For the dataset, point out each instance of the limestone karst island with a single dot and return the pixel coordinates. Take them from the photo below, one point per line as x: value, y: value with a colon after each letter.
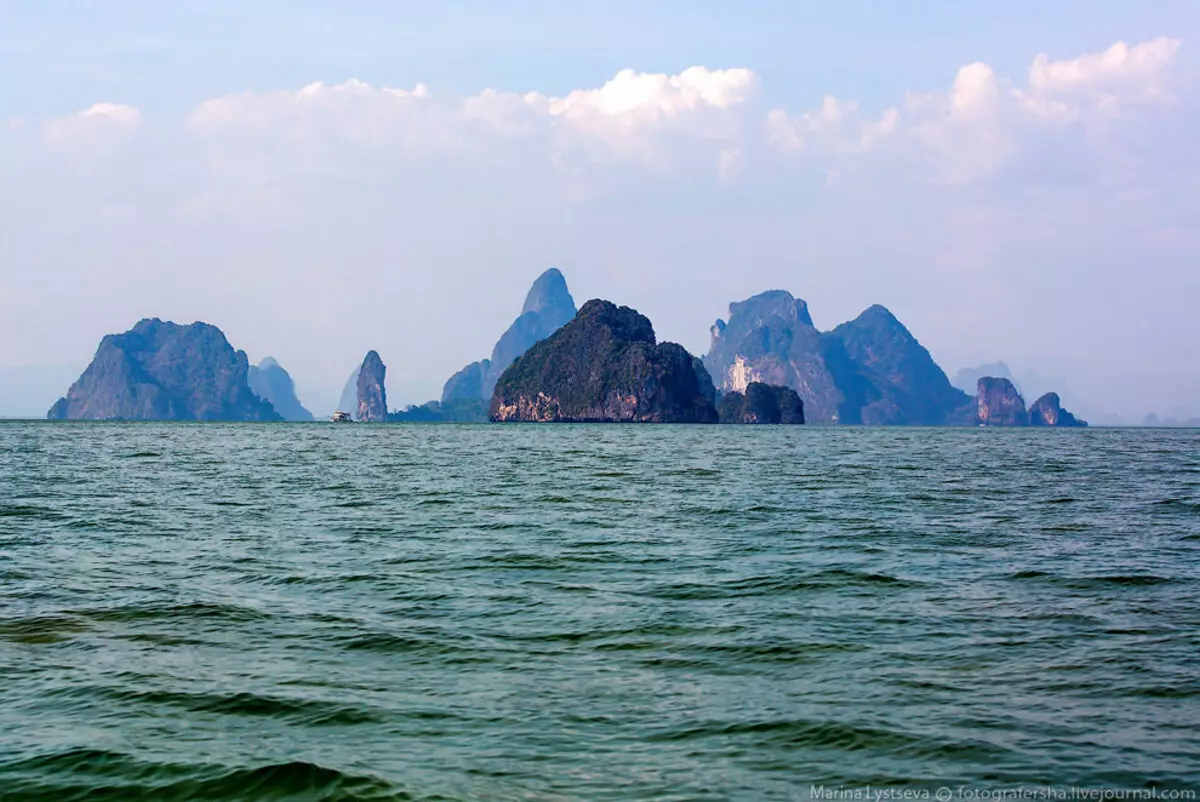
x: 767, y: 364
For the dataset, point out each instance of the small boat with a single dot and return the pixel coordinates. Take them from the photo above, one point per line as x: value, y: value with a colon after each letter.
x: 342, y: 417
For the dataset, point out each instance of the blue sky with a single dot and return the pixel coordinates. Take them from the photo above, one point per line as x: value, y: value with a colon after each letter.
x: 59, y: 55
x: 167, y: 159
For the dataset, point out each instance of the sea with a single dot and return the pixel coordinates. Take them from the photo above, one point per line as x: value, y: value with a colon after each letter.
x: 596, y: 612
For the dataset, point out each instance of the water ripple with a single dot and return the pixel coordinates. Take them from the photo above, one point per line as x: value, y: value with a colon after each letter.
x: 592, y: 612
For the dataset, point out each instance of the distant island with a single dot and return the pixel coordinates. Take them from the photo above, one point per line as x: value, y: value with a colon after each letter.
x: 164, y: 371
x: 768, y: 364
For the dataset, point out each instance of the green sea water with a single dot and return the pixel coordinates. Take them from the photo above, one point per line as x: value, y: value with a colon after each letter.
x: 273, y: 611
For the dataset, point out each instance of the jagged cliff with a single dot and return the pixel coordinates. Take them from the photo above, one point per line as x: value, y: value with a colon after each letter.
x: 160, y: 370
x: 548, y: 307
x: 603, y: 366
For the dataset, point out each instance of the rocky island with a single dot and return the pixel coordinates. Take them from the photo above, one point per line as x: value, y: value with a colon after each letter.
x: 1048, y: 411
x: 869, y: 370
x: 997, y: 403
x: 160, y: 370
x: 761, y: 403
x: 603, y: 366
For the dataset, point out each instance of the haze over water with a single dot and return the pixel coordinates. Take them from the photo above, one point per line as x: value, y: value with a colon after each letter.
x: 592, y: 612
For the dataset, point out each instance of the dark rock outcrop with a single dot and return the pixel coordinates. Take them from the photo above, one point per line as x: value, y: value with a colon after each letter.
x: 997, y: 403
x: 762, y: 403
x: 160, y: 370
x: 869, y: 370
x: 269, y: 381
x: 1048, y: 411
x: 548, y: 307
x: 603, y: 366
x: 372, y: 397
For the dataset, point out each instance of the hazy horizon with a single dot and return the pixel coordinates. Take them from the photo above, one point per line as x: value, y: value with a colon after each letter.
x: 1014, y: 184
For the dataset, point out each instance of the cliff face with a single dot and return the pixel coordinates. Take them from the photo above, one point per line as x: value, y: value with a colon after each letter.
x: 770, y: 338
x: 870, y: 370
x: 603, y: 366
x: 998, y: 403
x: 160, y: 370
x: 372, y: 397
x: 548, y: 307
x: 1048, y: 411
x: 269, y: 381
x: 762, y: 403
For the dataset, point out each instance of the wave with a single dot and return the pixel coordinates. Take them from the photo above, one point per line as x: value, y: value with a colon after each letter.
x: 801, y: 733
x: 30, y: 511
x: 780, y: 583
x: 96, y: 774
x: 309, y: 712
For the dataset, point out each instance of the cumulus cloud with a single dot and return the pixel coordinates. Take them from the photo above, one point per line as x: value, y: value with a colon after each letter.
x: 628, y: 116
x: 1119, y: 73
x: 707, y: 121
x: 102, y: 124
x: 983, y: 122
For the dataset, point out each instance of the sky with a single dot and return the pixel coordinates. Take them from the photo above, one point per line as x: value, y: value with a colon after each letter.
x: 1014, y: 181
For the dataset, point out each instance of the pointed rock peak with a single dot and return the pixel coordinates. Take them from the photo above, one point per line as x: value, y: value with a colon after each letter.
x: 268, y: 362
x: 880, y: 313
x: 371, y: 361
x: 372, y: 397
x: 772, y: 303
x: 626, y: 323
x: 879, y: 318
x: 549, y: 292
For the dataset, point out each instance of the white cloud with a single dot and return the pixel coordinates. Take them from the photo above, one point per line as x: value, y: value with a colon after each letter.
x: 645, y: 98
x: 628, y: 116
x: 837, y: 126
x: 1120, y: 71
x: 707, y: 121
x: 102, y: 124
x: 983, y: 124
